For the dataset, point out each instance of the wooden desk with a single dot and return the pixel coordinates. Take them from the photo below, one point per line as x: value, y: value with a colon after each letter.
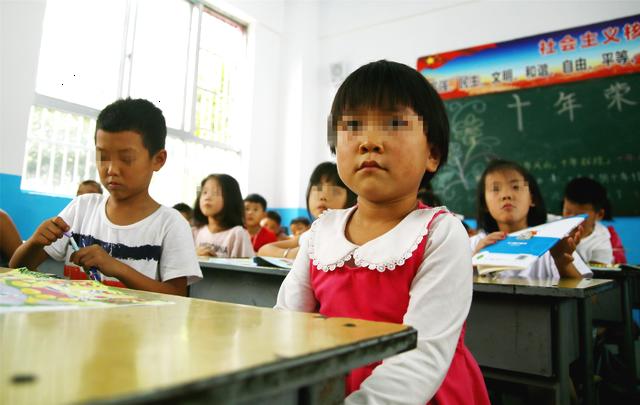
x: 192, y: 350
x: 524, y: 331
x: 239, y: 281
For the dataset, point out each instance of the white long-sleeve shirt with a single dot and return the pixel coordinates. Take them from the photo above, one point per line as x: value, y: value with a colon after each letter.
x: 440, y: 296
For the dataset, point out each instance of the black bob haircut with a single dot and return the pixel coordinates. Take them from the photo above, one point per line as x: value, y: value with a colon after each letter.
x: 389, y: 86
x: 583, y: 190
x: 232, y: 213
x: 137, y: 115
x: 328, y: 172
x: 537, y: 214
x: 258, y: 199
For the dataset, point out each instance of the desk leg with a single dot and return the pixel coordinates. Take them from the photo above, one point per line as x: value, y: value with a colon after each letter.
x: 563, y: 348
x: 628, y: 349
x: 585, y: 325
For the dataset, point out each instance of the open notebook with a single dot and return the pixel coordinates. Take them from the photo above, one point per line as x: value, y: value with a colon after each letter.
x: 520, y: 249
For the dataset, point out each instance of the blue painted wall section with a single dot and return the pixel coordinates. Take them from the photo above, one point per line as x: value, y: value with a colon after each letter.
x: 28, y: 210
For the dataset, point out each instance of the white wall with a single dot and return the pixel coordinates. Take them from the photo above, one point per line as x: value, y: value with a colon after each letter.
x: 292, y: 43
x: 20, y: 32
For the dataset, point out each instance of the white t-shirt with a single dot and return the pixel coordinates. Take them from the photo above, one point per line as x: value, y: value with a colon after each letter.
x: 543, y: 268
x: 440, y: 295
x: 597, y: 246
x: 158, y: 246
x: 234, y: 242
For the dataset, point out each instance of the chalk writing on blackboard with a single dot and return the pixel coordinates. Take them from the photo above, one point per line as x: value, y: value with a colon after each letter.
x: 616, y: 93
x: 567, y: 103
x: 518, y: 105
x: 469, y: 148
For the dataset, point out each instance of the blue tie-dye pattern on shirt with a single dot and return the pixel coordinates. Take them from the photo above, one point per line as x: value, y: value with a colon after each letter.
x: 121, y: 251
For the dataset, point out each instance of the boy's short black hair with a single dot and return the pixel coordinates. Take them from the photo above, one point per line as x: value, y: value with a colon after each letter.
x: 258, y: 199
x: 300, y: 220
x: 182, y: 207
x: 91, y: 183
x: 387, y: 86
x: 537, y: 214
x: 583, y: 190
x: 328, y: 171
x: 232, y: 213
x: 137, y: 115
x: 275, y: 216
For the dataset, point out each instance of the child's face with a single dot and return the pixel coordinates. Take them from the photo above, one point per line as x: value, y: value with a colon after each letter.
x: 211, y: 200
x: 326, y: 195
x: 270, y: 224
x: 298, y: 228
x: 570, y: 208
x: 508, y: 197
x: 383, y: 155
x: 124, y: 164
x: 87, y: 189
x: 253, y: 213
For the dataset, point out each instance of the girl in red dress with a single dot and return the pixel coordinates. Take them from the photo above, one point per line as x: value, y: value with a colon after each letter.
x: 390, y: 258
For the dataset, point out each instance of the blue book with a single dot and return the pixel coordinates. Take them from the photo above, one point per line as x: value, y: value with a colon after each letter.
x: 521, y: 249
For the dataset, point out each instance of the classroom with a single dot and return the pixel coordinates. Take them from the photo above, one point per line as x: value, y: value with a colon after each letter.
x: 254, y: 95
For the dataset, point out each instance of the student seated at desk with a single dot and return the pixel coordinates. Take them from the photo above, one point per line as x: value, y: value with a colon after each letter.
x: 583, y: 195
x: 218, y: 216
x: 325, y: 191
x: 391, y: 258
x: 89, y: 186
x: 273, y: 222
x: 124, y: 235
x: 509, y: 200
x: 298, y: 226
x: 255, y: 210
x: 10, y: 239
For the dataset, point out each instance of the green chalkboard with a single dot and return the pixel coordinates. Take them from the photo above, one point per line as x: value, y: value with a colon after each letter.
x: 588, y: 128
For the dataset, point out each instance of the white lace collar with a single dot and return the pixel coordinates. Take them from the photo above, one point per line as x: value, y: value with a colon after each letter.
x: 329, y: 248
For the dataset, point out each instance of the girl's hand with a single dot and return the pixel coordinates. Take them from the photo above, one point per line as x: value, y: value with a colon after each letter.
x: 49, y: 231
x: 95, y: 256
x: 204, y: 250
x: 489, y: 240
x: 562, y: 252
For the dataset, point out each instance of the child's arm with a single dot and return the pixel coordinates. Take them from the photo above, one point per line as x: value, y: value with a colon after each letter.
x: 9, y: 237
x: 96, y: 256
x: 283, y: 248
x: 489, y: 240
x: 31, y: 253
x: 564, y: 257
x: 295, y: 292
x: 440, y: 298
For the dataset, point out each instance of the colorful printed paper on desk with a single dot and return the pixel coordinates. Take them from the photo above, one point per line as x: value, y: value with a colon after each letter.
x: 279, y: 262
x: 520, y: 249
x: 24, y: 290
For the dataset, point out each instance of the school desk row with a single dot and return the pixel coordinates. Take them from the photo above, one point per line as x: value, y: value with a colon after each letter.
x: 186, y: 351
x: 520, y: 331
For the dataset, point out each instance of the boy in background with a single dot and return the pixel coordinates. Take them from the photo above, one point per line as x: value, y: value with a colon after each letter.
x: 273, y: 222
x: 299, y: 225
x: 255, y: 207
x: 583, y: 195
x: 125, y: 235
x: 89, y: 186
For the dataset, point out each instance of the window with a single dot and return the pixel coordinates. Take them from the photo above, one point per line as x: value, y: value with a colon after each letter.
x: 181, y: 55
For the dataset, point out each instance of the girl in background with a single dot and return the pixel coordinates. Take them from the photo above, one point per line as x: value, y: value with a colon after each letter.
x: 218, y: 216
x: 509, y: 200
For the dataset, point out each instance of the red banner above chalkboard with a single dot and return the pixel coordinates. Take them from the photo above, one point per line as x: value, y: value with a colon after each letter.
x: 598, y: 50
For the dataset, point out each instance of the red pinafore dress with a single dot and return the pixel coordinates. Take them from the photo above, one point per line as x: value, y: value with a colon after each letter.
x: 359, y: 292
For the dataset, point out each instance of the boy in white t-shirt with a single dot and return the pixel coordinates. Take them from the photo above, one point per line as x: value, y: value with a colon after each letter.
x: 125, y: 235
x: 583, y: 195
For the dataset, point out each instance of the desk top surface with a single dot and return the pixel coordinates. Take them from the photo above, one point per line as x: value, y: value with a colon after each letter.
x: 564, y: 287
x: 238, y: 264
x: 141, y: 351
